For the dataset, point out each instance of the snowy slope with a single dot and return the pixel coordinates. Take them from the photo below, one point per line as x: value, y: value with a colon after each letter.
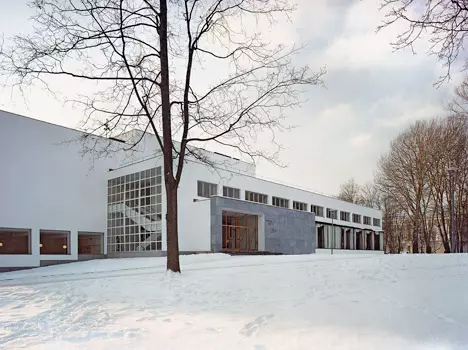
x: 221, y: 302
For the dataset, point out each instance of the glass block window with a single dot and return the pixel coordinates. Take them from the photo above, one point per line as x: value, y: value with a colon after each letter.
x: 134, y: 213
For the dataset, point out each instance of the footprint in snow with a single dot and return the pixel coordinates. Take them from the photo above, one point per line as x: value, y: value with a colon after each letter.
x: 260, y: 347
x: 254, y: 326
x: 213, y: 330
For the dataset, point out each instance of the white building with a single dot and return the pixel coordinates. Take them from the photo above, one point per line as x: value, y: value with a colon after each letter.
x: 60, y: 203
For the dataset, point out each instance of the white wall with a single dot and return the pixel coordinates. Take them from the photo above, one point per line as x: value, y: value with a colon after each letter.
x: 195, y: 225
x: 195, y: 171
x: 46, y: 184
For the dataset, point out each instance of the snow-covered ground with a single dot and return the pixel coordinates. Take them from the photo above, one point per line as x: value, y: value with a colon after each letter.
x: 255, y: 302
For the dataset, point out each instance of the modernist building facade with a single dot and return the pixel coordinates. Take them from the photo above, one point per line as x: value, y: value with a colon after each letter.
x: 67, y: 197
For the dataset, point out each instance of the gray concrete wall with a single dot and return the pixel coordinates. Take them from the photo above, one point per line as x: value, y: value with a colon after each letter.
x: 281, y: 230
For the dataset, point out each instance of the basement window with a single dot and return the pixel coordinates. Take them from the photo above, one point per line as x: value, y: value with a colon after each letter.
x: 54, y: 242
x: 15, y: 241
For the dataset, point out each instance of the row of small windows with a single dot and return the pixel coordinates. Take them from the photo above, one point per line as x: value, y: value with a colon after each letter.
x: 206, y: 189
x: 280, y: 202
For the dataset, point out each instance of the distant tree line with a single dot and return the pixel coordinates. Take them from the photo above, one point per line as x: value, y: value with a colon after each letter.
x: 413, y: 188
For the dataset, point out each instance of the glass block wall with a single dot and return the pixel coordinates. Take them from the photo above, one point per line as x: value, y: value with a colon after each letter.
x: 134, y: 212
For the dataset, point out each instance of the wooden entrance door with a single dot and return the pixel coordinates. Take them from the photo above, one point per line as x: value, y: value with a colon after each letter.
x: 240, y: 232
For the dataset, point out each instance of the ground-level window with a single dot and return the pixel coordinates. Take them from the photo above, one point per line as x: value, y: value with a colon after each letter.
x: 280, y: 202
x: 299, y: 206
x: 376, y: 222
x: 231, y: 192
x: 54, y: 242
x: 367, y: 220
x: 344, y: 216
x: 357, y: 218
x: 256, y: 197
x: 317, y: 210
x: 206, y: 189
x: 15, y: 241
x: 90, y: 243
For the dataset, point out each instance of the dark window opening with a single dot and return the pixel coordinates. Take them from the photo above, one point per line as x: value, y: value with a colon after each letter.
x: 90, y: 243
x: 15, y: 241
x: 54, y: 242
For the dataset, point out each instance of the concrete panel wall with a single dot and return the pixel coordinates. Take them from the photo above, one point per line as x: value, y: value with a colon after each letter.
x: 281, y: 230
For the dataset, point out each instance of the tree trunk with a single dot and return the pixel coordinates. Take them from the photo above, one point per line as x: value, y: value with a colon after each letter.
x: 415, y: 242
x: 171, y: 185
x: 172, y: 229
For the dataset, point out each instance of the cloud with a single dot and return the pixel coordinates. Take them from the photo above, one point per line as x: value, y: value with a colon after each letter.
x: 361, y: 140
x: 360, y: 47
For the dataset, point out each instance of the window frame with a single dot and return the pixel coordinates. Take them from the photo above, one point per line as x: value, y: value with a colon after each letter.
x: 357, y: 218
x: 202, y: 185
x: 234, y: 190
x: 320, y: 210
x: 16, y: 230
x: 379, y: 222
x: 280, y: 202
x: 255, y: 197
x: 301, y: 206
x: 331, y: 210
x: 344, y: 216
x: 55, y: 232
x: 142, y: 192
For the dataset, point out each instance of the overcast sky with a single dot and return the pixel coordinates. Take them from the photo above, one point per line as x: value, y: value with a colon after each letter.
x: 371, y: 93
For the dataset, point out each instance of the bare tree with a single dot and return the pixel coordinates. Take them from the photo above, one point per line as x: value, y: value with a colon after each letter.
x: 189, y: 71
x: 414, y: 178
x: 394, y: 225
x: 350, y: 191
x: 444, y: 22
x: 370, y: 195
x: 403, y: 175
